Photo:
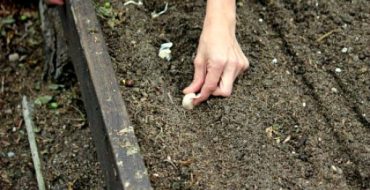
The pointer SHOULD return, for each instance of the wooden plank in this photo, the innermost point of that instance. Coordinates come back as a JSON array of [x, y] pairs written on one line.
[[115, 141]]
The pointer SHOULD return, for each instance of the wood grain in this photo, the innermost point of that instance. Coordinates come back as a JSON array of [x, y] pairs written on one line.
[[115, 141]]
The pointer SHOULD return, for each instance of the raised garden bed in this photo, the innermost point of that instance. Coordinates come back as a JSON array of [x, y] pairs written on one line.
[[299, 118]]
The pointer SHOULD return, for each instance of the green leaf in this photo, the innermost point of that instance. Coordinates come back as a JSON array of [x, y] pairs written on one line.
[[53, 105], [23, 17], [7, 20], [107, 5], [37, 129], [105, 12], [37, 86], [41, 100], [55, 86]]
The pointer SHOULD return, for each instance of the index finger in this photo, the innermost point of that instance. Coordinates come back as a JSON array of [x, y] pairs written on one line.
[[210, 84]]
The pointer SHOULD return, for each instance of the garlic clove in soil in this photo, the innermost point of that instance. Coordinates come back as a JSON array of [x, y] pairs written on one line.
[[165, 51], [187, 101]]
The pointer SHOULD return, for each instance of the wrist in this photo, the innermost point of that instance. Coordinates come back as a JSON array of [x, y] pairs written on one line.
[[220, 15]]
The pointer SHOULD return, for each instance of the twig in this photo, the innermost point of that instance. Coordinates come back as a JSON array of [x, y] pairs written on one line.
[[2, 84], [42, 12], [155, 15], [326, 35], [31, 138], [170, 97], [82, 115], [138, 3]]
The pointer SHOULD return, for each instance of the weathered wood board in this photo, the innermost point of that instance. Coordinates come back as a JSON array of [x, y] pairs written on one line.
[[114, 137]]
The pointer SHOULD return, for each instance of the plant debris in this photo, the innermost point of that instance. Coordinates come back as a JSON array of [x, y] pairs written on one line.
[[138, 3], [155, 14]]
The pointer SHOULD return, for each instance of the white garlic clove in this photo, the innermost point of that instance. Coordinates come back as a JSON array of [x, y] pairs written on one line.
[[165, 51], [187, 101], [165, 54]]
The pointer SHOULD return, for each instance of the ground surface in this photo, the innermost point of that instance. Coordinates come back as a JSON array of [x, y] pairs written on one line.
[[302, 122], [63, 137]]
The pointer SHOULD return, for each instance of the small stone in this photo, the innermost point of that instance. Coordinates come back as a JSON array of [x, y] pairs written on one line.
[[143, 99], [346, 18], [287, 139], [274, 61], [128, 83], [260, 20], [336, 169], [334, 90], [304, 104], [13, 57], [11, 154], [8, 111], [363, 70], [338, 70], [344, 50], [23, 57], [355, 58]]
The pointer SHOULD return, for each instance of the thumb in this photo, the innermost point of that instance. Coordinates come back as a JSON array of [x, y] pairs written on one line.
[[199, 76]]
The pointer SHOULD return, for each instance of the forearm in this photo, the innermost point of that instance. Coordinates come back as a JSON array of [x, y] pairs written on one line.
[[221, 12]]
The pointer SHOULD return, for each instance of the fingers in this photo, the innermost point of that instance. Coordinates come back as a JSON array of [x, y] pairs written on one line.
[[199, 76], [225, 86], [232, 70], [212, 79], [244, 65], [55, 2], [215, 71]]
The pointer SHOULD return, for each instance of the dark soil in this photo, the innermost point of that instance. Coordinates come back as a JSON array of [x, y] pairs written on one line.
[[295, 124], [68, 155]]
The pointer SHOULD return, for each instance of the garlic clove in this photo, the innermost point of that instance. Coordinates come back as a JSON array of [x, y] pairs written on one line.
[[187, 101], [165, 51]]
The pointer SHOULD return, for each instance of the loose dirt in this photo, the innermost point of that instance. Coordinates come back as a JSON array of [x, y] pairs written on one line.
[[292, 124], [68, 155]]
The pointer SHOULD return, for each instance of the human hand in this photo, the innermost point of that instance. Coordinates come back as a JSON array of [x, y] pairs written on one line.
[[219, 59], [55, 2]]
